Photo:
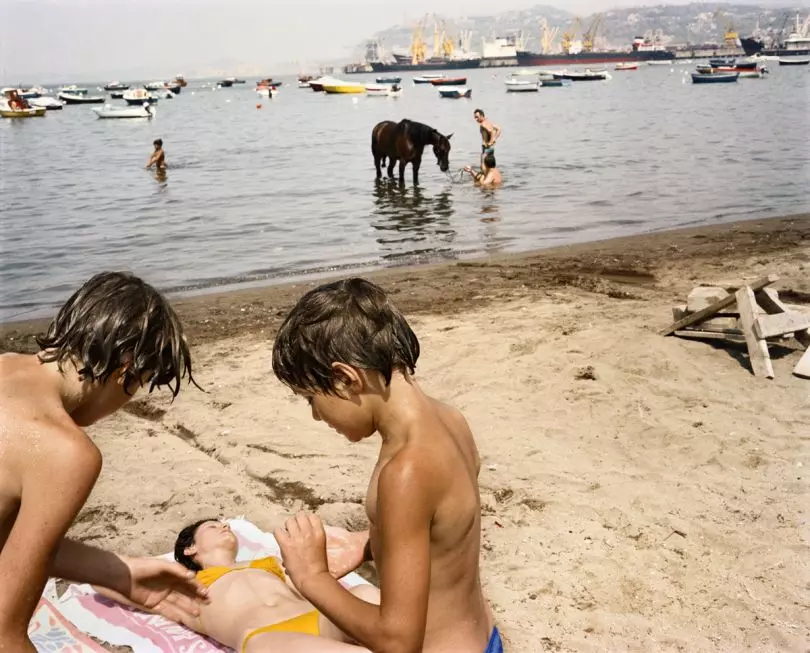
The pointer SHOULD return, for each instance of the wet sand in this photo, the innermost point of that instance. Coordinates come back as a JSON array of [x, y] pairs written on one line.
[[640, 493]]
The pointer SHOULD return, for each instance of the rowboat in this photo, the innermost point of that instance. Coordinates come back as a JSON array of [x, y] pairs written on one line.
[[137, 96], [80, 98], [427, 78], [520, 86], [455, 93], [627, 65], [108, 111], [47, 103], [30, 112], [660, 62], [449, 81], [794, 61], [383, 90], [714, 78], [339, 87]]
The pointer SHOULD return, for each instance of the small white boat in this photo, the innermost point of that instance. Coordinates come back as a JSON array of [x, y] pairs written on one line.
[[383, 90], [109, 111], [45, 102], [660, 62], [455, 92], [520, 86], [427, 78], [627, 65], [794, 61], [266, 91], [137, 96], [79, 97]]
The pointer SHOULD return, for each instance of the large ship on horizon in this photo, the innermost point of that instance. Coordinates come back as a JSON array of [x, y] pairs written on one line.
[[797, 42], [642, 49]]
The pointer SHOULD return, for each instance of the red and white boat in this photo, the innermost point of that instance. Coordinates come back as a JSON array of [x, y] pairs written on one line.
[[627, 65]]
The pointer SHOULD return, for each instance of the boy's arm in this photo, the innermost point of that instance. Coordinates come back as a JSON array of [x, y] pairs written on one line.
[[496, 133], [56, 481], [397, 625], [189, 621]]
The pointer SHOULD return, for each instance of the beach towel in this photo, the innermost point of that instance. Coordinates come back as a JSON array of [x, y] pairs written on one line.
[[147, 633], [51, 632]]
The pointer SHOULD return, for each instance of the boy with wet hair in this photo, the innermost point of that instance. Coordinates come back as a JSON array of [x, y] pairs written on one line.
[[351, 354], [115, 335]]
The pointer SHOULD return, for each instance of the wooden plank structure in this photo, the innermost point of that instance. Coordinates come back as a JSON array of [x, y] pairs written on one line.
[[758, 315]]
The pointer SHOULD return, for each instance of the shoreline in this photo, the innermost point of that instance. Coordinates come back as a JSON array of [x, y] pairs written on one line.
[[617, 267]]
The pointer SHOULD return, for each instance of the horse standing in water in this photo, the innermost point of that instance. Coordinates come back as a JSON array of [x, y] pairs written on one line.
[[405, 142]]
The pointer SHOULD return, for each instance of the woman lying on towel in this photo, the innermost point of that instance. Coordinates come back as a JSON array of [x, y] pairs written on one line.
[[253, 607]]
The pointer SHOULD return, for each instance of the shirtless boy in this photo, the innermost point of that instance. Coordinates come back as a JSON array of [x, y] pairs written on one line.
[[158, 158], [115, 335], [489, 175], [253, 608], [351, 354], [489, 134]]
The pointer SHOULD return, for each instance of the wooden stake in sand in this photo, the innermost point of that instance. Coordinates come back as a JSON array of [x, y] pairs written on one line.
[[757, 349]]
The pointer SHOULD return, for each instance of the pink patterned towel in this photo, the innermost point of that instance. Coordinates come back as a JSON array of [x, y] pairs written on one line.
[[52, 633]]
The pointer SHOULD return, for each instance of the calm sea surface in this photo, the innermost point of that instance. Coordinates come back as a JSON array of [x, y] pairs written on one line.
[[289, 190]]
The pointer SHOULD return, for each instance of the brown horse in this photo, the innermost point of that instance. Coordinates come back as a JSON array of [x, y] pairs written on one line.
[[405, 142]]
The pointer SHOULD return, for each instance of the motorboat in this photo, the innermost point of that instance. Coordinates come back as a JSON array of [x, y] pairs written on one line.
[[225, 83], [339, 87], [318, 84], [553, 83], [427, 78], [180, 81], [660, 62], [160, 87], [794, 61], [455, 93], [627, 65], [714, 78], [389, 80], [383, 90], [137, 96], [116, 86], [13, 105], [520, 85], [109, 111], [79, 96], [304, 80], [587, 75], [45, 102], [449, 81], [117, 95]]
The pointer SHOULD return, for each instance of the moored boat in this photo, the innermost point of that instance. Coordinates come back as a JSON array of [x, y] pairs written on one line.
[[456, 92], [520, 85], [427, 78], [714, 78], [794, 61], [553, 83], [449, 81], [627, 65], [339, 87], [117, 95], [388, 80], [45, 102], [111, 112], [80, 97], [116, 86], [225, 83], [13, 105], [587, 75], [137, 96], [660, 62]]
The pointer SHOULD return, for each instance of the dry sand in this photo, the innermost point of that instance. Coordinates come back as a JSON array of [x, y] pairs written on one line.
[[640, 493]]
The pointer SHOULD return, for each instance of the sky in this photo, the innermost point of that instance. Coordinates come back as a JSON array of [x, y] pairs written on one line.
[[93, 40]]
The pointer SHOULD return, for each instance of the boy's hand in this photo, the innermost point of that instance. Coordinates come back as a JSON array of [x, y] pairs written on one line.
[[164, 587], [303, 549], [345, 550]]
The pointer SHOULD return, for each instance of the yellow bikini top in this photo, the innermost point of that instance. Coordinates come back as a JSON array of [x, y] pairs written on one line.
[[211, 575]]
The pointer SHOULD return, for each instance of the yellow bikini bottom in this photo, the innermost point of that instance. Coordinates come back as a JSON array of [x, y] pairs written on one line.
[[306, 624]]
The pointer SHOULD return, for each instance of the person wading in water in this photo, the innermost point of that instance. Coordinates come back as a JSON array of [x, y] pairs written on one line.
[[489, 134]]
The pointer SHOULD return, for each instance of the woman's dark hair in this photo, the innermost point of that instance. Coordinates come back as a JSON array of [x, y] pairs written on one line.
[[185, 539], [158, 142], [489, 160], [350, 321], [116, 319]]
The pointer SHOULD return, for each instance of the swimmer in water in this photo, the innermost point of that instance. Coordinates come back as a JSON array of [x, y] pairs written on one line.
[[489, 175], [158, 158], [490, 133]]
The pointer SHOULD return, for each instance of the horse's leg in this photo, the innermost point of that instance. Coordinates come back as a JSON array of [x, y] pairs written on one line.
[[402, 164], [392, 162], [415, 165], [377, 165]]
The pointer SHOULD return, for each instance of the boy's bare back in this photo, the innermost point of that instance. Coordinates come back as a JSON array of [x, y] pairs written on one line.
[[440, 453]]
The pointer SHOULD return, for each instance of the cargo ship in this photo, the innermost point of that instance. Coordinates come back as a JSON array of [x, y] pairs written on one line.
[[642, 49], [796, 44]]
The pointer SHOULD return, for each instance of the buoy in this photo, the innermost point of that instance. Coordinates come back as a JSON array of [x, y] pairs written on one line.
[[259, 105]]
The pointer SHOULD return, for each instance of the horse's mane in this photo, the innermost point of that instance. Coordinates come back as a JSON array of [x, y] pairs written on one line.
[[420, 132]]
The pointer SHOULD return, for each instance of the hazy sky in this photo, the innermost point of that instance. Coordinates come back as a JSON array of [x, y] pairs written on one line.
[[57, 40]]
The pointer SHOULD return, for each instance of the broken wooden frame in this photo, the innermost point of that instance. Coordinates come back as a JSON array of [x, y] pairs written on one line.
[[762, 318]]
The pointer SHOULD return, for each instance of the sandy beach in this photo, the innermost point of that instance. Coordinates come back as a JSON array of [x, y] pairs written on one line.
[[640, 493]]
